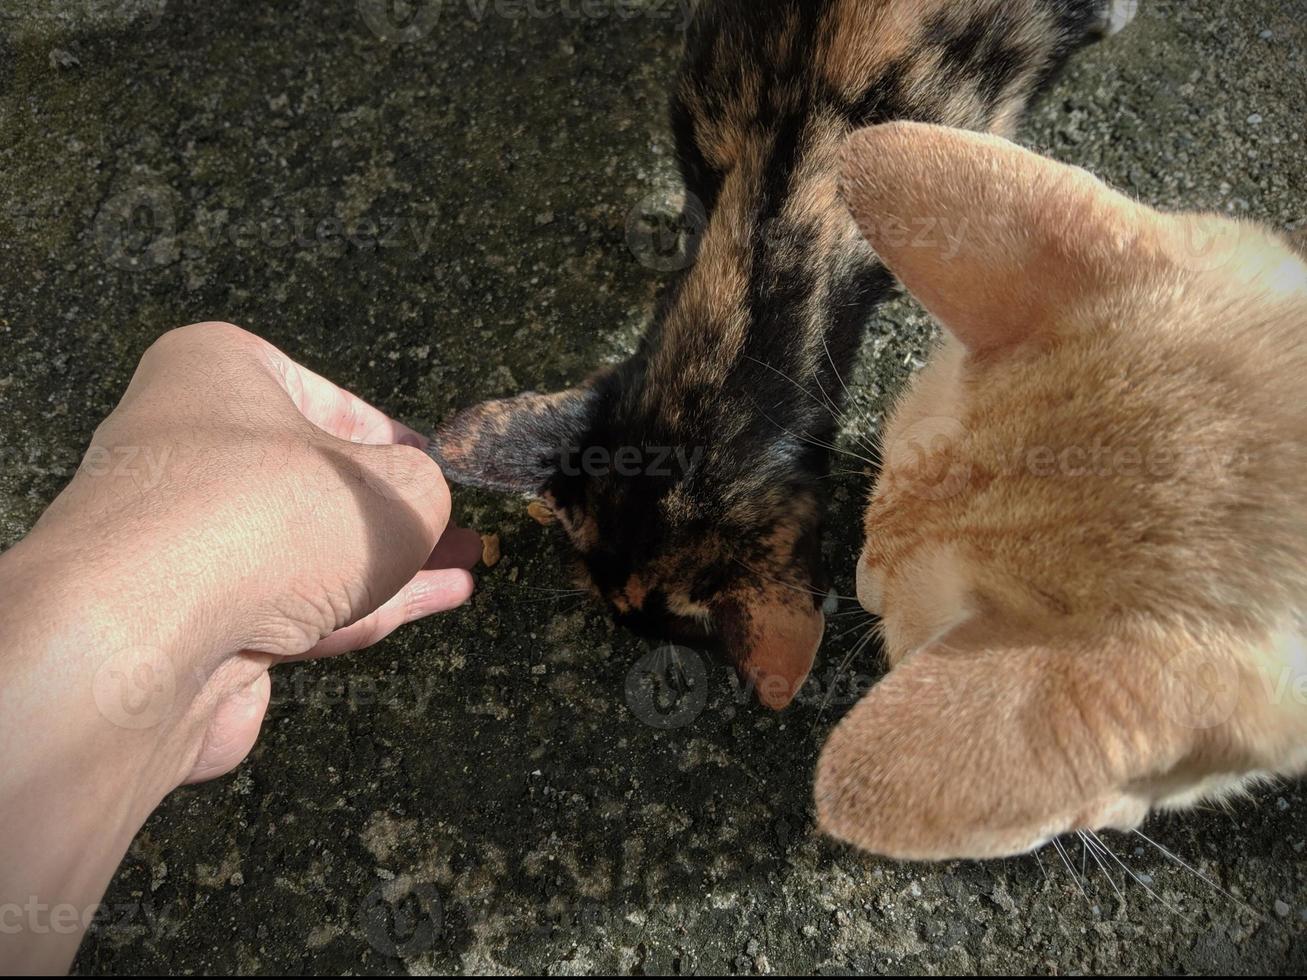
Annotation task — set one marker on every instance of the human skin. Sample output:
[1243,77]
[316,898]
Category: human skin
[234,512]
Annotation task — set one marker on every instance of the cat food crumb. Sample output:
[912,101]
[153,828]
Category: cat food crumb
[490,552]
[540,512]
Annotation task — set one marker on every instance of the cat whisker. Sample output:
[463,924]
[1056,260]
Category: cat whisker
[1092,846]
[796,588]
[1040,861]
[812,440]
[852,629]
[825,400]
[851,612]
[538,601]
[1066,860]
[1140,881]
[547,595]
[853,402]
[829,405]
[839,673]
[836,473]
[1196,873]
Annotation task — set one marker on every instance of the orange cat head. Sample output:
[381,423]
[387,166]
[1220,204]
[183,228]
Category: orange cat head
[1088,543]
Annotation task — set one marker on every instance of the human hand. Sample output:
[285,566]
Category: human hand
[234,511]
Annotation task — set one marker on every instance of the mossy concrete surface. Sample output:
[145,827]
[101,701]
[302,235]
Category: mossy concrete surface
[431,205]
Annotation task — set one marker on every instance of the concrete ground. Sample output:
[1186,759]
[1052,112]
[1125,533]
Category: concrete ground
[438,212]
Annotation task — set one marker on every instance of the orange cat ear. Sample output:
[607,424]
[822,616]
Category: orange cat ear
[995,241]
[973,748]
[772,639]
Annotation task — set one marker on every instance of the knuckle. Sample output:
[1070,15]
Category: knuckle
[199,340]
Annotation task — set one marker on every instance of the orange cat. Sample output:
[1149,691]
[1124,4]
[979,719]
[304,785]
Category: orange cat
[1089,540]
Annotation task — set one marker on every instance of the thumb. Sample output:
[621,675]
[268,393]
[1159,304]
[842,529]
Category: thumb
[430,592]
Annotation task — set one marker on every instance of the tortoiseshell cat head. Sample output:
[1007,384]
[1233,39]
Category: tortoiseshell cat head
[1088,542]
[687,524]
[688,480]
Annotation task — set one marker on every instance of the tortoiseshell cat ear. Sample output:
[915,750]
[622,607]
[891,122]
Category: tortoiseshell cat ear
[772,638]
[513,445]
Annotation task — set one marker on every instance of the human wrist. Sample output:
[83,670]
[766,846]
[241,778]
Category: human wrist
[90,680]
[78,779]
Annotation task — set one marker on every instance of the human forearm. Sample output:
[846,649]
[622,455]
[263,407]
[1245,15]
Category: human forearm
[77,780]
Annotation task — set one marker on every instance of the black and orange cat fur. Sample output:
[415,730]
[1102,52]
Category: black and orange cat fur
[719,547]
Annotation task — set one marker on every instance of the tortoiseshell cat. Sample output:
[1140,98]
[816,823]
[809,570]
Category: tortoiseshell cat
[722,547]
[1088,541]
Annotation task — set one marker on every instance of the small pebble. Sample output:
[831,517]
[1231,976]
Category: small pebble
[490,553]
[1266,35]
[541,513]
[1255,119]
[1281,908]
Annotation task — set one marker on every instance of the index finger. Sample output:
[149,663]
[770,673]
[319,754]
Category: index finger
[337,411]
